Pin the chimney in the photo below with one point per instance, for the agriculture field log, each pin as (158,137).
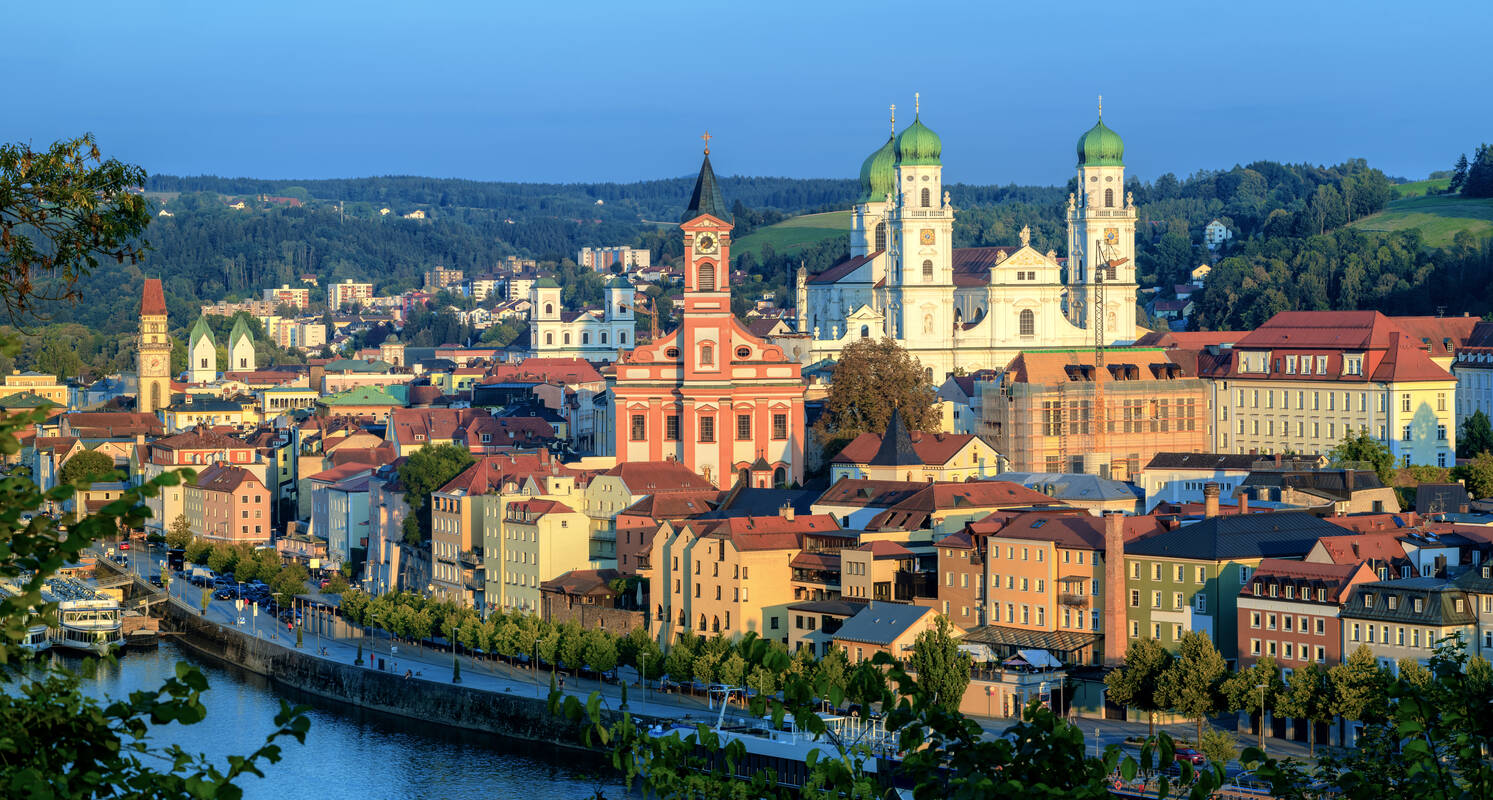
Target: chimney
(1210,500)
(1348,479)
(1114,588)
(787,511)
(1277,459)
(1243,502)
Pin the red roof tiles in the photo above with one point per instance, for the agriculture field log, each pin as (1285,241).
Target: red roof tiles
(152,298)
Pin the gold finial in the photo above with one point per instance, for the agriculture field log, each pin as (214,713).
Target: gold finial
(1101,106)
(706,137)
(917,104)
(894,117)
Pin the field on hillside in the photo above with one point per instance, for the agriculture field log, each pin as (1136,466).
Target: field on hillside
(1418,188)
(795,233)
(1438,217)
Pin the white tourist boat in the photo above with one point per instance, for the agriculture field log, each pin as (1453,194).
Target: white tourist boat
(38,638)
(91,625)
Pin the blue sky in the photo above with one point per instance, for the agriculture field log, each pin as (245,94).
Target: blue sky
(580,91)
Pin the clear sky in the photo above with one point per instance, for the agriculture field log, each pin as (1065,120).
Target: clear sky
(617,90)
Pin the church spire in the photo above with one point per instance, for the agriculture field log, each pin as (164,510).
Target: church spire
(706,198)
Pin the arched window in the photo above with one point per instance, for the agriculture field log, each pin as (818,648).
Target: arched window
(549,310)
(622,337)
(705,278)
(927,270)
(585,338)
(927,197)
(865,331)
(682,623)
(744,477)
(929,372)
(780,478)
(881,236)
(715,624)
(549,338)
(603,337)
(155,396)
(707,355)
(702,622)
(1109,198)
(566,338)
(1028,322)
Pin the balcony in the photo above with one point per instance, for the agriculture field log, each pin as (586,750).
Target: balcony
(1075,600)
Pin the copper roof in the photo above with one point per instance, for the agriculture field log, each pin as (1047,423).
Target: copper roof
(152,298)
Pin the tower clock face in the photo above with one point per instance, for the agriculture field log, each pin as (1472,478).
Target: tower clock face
(1111,235)
(706,243)
(154,364)
(926,236)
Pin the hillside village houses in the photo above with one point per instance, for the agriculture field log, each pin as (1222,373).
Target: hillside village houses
(1073,502)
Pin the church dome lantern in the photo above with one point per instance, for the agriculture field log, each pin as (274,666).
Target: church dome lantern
(1101,147)
(878,173)
(918,145)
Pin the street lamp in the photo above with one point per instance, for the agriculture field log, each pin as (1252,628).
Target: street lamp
(1261,687)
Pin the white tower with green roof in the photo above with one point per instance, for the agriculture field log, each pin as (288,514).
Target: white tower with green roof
(241,347)
(1101,237)
(202,353)
(922,225)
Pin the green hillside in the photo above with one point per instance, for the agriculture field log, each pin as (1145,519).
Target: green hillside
(1419,188)
(1438,217)
(794,234)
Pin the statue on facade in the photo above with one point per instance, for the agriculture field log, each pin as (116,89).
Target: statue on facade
(1025,235)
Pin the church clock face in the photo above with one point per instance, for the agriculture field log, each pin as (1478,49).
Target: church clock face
(706,243)
(154,364)
(926,236)
(1112,236)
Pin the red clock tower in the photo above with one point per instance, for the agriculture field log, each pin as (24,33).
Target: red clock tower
(710,394)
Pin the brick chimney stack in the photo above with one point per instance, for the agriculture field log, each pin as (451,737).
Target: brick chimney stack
(786,512)
(1210,500)
(1243,501)
(1114,588)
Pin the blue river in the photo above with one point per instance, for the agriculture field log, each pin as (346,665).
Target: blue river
(350,753)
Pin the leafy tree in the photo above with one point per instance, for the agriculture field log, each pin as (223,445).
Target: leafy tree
(1478,475)
(1411,671)
(1479,181)
(763,681)
(197,552)
(1476,436)
(1242,689)
(832,676)
(1192,685)
(679,663)
(1364,448)
(179,533)
(942,668)
(1308,696)
(425,471)
(1217,745)
(503,333)
(88,465)
(221,559)
(1359,687)
(1137,682)
(290,581)
(705,666)
(873,377)
(732,671)
(337,584)
(600,651)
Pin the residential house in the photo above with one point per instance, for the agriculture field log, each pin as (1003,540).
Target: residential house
(889,628)
(1097,494)
(1402,619)
(1180,477)
(228,504)
(1290,609)
(912,456)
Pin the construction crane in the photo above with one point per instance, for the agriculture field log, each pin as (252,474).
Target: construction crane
(649,307)
(1100,417)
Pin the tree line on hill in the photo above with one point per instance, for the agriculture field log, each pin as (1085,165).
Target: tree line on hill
(1474,178)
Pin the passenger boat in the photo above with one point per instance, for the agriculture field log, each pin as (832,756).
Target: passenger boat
(91,625)
(38,638)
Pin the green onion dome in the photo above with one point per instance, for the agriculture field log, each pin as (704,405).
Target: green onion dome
(1101,147)
(879,172)
(918,146)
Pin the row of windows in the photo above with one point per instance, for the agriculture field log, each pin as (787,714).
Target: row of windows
(1286,623)
(549,338)
(1179,602)
(1286,651)
(1401,637)
(1178,572)
(1406,401)
(639,431)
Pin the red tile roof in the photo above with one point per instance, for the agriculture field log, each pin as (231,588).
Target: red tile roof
(489,472)
(934,449)
(1056,367)
(1075,530)
(672,505)
(1358,548)
(868,493)
(649,477)
(885,549)
(152,298)
(541,507)
(545,370)
(224,479)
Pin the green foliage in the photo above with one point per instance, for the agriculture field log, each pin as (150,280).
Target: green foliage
(1476,436)
(1241,691)
(1359,687)
(871,378)
(1219,746)
(1137,682)
(942,668)
(179,532)
(1193,684)
(1308,696)
(88,466)
(502,333)
(1478,180)
(1478,475)
(1362,448)
(425,471)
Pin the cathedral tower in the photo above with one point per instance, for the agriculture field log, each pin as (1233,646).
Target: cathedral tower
(241,348)
(922,226)
(153,351)
(1101,237)
(202,353)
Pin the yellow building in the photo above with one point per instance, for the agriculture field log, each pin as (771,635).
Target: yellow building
(1305,380)
(37,383)
(194,410)
(534,539)
(900,455)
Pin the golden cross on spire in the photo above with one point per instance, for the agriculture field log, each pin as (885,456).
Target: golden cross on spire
(1101,105)
(894,117)
(706,137)
(917,104)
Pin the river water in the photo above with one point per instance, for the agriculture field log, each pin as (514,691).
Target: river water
(350,753)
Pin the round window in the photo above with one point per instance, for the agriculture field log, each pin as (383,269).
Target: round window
(672,352)
(1108,178)
(925,177)
(743,352)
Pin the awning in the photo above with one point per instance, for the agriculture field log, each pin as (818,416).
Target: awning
(978,653)
(1038,659)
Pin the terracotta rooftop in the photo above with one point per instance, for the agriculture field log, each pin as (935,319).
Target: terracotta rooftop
(223,478)
(648,477)
(152,298)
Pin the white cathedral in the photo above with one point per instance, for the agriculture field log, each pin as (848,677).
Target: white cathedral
(974,307)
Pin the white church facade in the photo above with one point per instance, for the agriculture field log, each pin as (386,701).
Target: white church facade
(594,334)
(972,308)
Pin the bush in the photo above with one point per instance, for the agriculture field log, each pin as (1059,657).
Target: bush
(1217,745)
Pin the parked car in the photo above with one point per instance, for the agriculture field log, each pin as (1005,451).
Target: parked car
(1191,756)
(155,580)
(124,545)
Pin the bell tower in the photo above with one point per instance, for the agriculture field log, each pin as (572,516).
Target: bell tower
(1101,237)
(707,246)
(153,351)
(922,267)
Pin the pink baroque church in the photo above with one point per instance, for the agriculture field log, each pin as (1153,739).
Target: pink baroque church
(710,395)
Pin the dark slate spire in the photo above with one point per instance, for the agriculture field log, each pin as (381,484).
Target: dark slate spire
(896,445)
(706,198)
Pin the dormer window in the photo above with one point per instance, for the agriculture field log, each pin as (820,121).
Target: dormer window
(1457,605)
(1290,592)
(1394,602)
(1404,571)
(419,437)
(1368,601)
(1384,573)
(1420,605)
(1274,589)
(1321,595)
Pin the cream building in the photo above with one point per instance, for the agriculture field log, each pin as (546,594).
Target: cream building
(592,334)
(970,307)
